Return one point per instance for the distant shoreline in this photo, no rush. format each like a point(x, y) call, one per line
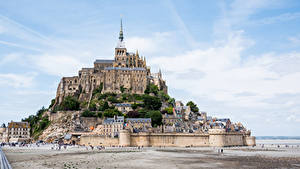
point(277, 137)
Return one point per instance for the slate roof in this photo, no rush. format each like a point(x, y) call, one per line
point(124, 68)
point(104, 61)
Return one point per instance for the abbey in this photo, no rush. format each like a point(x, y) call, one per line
point(127, 71)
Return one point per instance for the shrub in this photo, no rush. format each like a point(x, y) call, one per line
point(52, 103)
point(151, 88)
point(88, 113)
point(69, 103)
point(169, 110)
point(152, 102)
point(100, 114)
point(98, 89)
point(113, 99)
point(156, 117)
point(142, 113)
point(103, 106)
point(134, 106)
point(193, 106)
point(92, 106)
point(112, 113)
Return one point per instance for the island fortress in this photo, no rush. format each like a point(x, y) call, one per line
point(120, 102)
point(127, 71)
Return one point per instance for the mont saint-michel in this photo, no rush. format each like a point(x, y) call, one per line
point(149, 84)
point(120, 102)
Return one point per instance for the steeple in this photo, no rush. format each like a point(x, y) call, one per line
point(121, 32)
point(121, 43)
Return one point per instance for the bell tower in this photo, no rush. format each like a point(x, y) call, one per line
point(120, 50)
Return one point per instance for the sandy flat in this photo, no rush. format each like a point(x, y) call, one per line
point(153, 158)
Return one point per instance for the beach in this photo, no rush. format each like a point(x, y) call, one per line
point(260, 156)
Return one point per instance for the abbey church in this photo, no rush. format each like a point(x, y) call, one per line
point(127, 71)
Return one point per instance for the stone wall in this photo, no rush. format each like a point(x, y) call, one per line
point(169, 139)
point(126, 138)
point(250, 140)
point(97, 140)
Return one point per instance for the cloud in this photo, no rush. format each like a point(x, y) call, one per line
point(295, 40)
point(220, 73)
point(155, 42)
point(280, 18)
point(56, 64)
point(295, 117)
point(17, 80)
point(10, 58)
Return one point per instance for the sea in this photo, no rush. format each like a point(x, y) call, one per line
point(278, 140)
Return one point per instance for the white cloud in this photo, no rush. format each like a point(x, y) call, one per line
point(223, 75)
point(59, 65)
point(295, 117)
point(295, 40)
point(148, 44)
point(9, 58)
point(280, 18)
point(17, 80)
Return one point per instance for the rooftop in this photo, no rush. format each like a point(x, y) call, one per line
point(124, 68)
point(104, 61)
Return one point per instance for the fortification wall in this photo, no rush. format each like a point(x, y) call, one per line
point(96, 140)
point(250, 141)
point(171, 139)
point(220, 138)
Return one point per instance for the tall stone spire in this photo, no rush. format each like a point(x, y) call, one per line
point(121, 43)
point(121, 32)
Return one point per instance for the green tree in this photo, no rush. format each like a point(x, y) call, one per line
point(156, 117)
point(3, 125)
point(100, 114)
point(163, 96)
point(98, 89)
point(103, 106)
point(134, 106)
point(70, 103)
point(169, 110)
point(52, 103)
point(193, 106)
point(40, 112)
point(151, 102)
point(88, 113)
point(151, 88)
point(122, 89)
point(92, 106)
point(142, 113)
point(112, 113)
point(113, 99)
point(43, 124)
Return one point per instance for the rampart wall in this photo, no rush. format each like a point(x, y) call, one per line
point(217, 139)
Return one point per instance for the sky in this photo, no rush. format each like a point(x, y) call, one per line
point(234, 58)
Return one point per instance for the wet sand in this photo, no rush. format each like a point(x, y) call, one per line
point(153, 158)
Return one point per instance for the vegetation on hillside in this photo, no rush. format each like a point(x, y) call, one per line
point(193, 106)
point(38, 122)
point(147, 105)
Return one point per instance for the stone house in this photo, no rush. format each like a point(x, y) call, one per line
point(18, 131)
point(124, 107)
point(110, 127)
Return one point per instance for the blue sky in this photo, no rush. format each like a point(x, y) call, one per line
point(237, 59)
